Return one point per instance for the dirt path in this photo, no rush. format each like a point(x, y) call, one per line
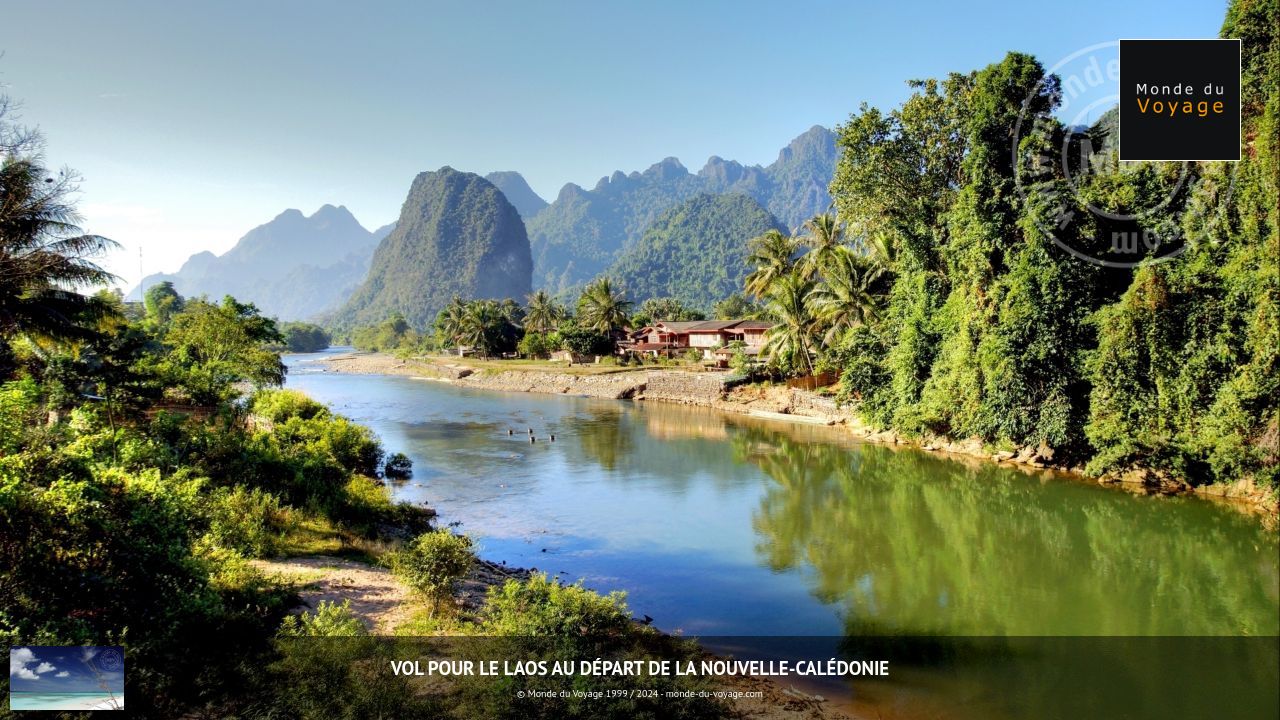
point(377, 597)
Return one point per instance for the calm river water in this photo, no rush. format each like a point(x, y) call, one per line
point(724, 525)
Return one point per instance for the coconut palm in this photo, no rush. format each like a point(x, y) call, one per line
point(602, 307)
point(482, 324)
point(450, 321)
point(773, 255)
point(823, 235)
point(846, 297)
point(543, 313)
point(793, 331)
point(45, 256)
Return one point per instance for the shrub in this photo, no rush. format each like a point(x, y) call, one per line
point(536, 345)
point(433, 562)
point(329, 619)
point(364, 502)
point(543, 607)
point(248, 520)
point(398, 466)
point(280, 405)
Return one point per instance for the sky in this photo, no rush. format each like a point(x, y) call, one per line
point(47, 669)
point(191, 123)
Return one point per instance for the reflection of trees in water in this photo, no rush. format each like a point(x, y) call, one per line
point(909, 543)
point(668, 444)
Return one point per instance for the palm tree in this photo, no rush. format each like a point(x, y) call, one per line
point(602, 307)
point(823, 234)
point(481, 325)
point(543, 313)
point(773, 255)
point(45, 256)
point(793, 330)
point(450, 320)
point(846, 296)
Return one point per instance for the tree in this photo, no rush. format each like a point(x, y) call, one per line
point(789, 342)
point(543, 314)
point(846, 298)
point(300, 337)
point(484, 326)
point(44, 255)
point(215, 346)
point(735, 307)
point(823, 235)
point(602, 307)
point(449, 321)
point(162, 302)
point(773, 255)
point(665, 308)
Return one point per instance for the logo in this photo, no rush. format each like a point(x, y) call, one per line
point(1107, 212)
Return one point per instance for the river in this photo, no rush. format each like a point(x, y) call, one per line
point(724, 525)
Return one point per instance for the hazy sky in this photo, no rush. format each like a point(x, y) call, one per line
point(193, 122)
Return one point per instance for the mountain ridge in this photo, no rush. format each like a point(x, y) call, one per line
point(293, 266)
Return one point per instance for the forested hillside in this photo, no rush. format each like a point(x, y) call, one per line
point(695, 252)
point(583, 231)
point(457, 236)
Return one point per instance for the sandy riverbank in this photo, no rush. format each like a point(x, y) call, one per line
point(765, 401)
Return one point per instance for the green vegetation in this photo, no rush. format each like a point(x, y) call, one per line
point(956, 315)
point(300, 337)
point(582, 233)
point(603, 308)
point(457, 236)
point(693, 252)
point(433, 563)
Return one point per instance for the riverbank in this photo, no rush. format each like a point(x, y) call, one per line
point(776, 402)
point(387, 607)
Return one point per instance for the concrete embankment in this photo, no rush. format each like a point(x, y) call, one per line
point(617, 386)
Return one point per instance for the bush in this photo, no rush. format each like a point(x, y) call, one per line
point(433, 562)
point(328, 620)
point(536, 345)
point(398, 466)
point(248, 520)
point(543, 607)
point(280, 405)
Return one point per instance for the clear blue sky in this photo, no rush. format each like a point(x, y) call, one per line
point(193, 122)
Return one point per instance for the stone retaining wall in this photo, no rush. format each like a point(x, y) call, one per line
point(688, 388)
point(617, 386)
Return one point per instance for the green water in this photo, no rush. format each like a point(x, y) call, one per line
point(724, 525)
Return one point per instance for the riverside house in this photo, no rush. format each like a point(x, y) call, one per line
point(711, 337)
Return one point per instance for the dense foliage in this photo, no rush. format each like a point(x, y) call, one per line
point(694, 251)
point(300, 337)
point(982, 327)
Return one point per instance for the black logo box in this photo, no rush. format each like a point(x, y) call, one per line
point(1177, 72)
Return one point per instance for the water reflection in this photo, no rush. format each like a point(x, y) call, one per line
point(906, 543)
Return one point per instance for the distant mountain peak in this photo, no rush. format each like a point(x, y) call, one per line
point(512, 184)
point(668, 168)
point(457, 234)
point(293, 267)
point(583, 231)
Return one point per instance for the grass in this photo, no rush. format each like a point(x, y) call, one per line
point(319, 536)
